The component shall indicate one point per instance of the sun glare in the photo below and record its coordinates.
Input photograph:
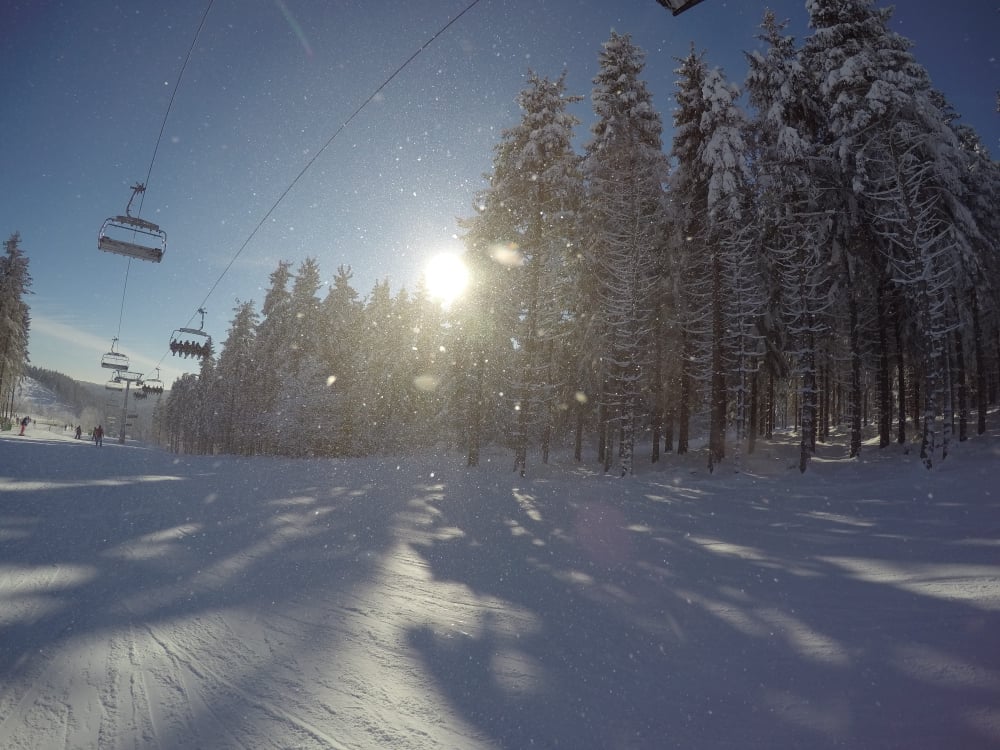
(446, 277)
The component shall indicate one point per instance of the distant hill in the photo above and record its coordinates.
(53, 398)
(51, 388)
(40, 402)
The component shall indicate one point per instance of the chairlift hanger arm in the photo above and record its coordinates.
(137, 189)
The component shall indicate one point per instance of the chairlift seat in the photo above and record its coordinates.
(129, 226)
(115, 361)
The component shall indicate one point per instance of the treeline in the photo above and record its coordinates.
(15, 321)
(828, 258)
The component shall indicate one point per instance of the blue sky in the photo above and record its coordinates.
(85, 88)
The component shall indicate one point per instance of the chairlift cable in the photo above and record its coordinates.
(156, 148)
(121, 310)
(173, 94)
(316, 156)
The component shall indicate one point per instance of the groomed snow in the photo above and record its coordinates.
(155, 601)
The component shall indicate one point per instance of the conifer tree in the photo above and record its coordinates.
(789, 223)
(895, 164)
(530, 209)
(688, 192)
(339, 342)
(272, 349)
(236, 402)
(716, 260)
(625, 170)
(15, 319)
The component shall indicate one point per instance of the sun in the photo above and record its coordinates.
(446, 277)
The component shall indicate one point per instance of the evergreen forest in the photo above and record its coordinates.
(814, 249)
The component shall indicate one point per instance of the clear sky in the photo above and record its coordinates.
(85, 87)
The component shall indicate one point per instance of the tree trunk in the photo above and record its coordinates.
(772, 408)
(603, 449)
(884, 390)
(901, 379)
(982, 403)
(807, 445)
(476, 417)
(656, 421)
(668, 423)
(961, 388)
(578, 437)
(684, 407)
(717, 414)
(855, 397)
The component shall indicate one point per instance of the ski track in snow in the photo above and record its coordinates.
(155, 601)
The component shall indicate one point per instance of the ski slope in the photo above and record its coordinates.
(155, 601)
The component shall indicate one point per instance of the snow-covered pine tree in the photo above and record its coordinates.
(180, 416)
(830, 58)
(533, 196)
(15, 320)
(710, 192)
(897, 164)
(981, 179)
(272, 348)
(426, 351)
(690, 272)
(205, 408)
(485, 316)
(382, 390)
(625, 170)
(340, 317)
(298, 415)
(737, 300)
(235, 398)
(778, 167)
(791, 224)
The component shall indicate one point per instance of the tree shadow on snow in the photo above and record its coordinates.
(716, 613)
(137, 546)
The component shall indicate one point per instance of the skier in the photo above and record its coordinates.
(78, 432)
(99, 436)
(24, 423)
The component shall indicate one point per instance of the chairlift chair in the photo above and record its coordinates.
(115, 385)
(152, 386)
(114, 360)
(678, 6)
(131, 236)
(192, 342)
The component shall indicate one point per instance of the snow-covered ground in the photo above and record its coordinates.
(155, 601)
